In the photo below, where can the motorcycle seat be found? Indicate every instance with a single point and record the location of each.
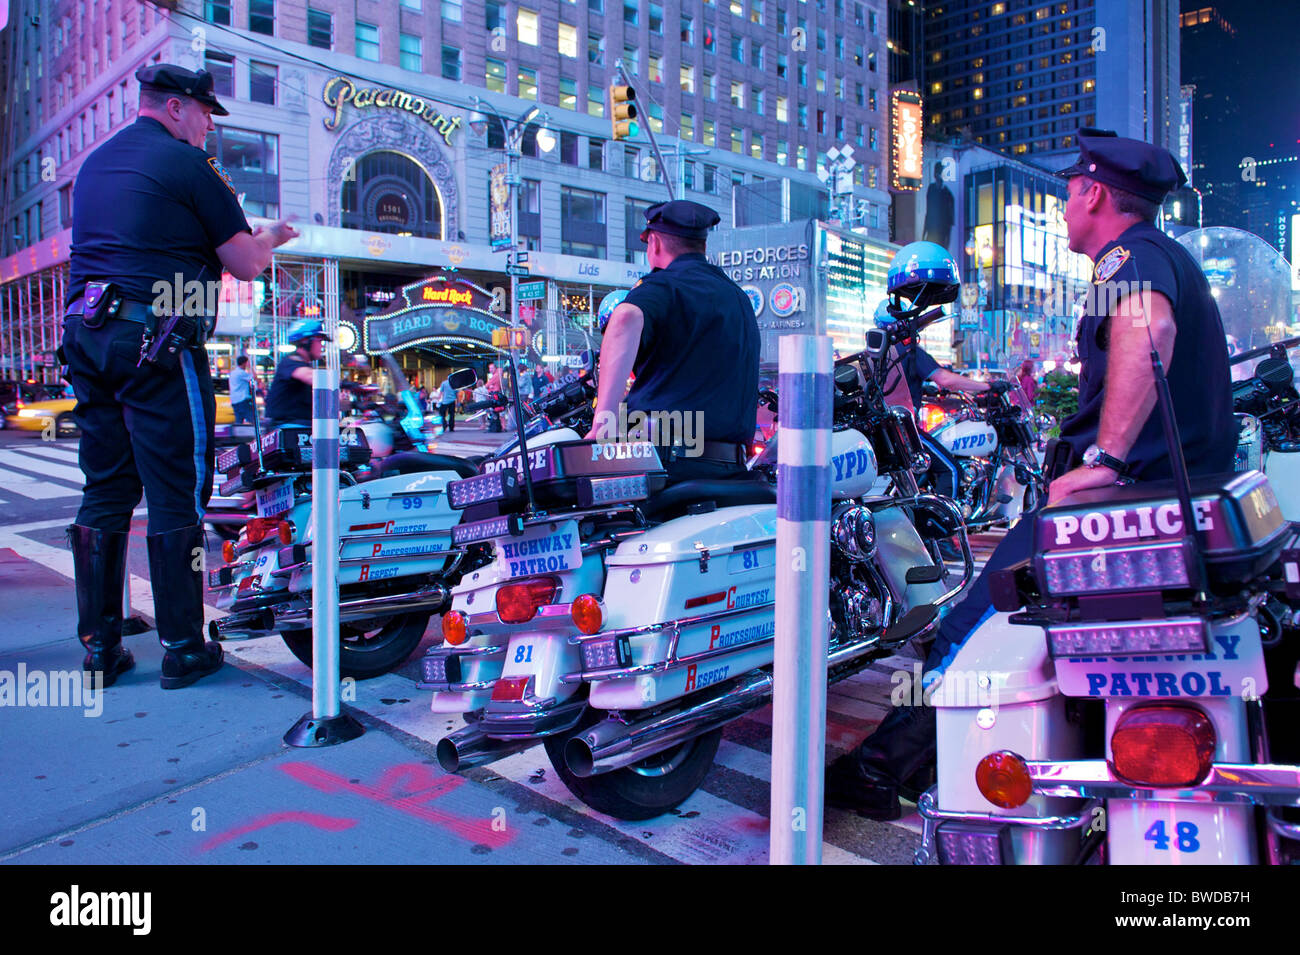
(413, 462)
(674, 501)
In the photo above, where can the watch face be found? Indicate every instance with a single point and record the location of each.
(1090, 456)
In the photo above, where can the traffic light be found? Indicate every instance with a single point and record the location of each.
(622, 112)
(512, 339)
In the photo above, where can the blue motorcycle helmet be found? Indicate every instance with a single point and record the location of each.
(924, 274)
(305, 329)
(884, 317)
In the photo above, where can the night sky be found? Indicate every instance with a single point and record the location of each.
(1269, 84)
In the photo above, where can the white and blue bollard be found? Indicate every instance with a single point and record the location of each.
(327, 723)
(803, 508)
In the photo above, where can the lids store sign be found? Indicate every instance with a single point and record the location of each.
(340, 91)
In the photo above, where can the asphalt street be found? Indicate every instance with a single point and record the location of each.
(202, 775)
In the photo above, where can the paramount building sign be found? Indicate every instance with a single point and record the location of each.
(340, 91)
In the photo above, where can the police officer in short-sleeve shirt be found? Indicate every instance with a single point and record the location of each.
(1142, 281)
(154, 221)
(689, 335)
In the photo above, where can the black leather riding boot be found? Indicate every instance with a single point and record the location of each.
(899, 752)
(99, 563)
(175, 570)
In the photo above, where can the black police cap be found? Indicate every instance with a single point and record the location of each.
(1129, 164)
(680, 217)
(169, 78)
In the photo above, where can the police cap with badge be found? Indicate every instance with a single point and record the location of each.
(169, 78)
(690, 220)
(1150, 172)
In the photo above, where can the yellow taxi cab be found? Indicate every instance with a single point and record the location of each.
(34, 406)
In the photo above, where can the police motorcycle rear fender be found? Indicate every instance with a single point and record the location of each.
(999, 692)
(262, 563)
(551, 654)
(391, 527)
(967, 439)
(716, 569)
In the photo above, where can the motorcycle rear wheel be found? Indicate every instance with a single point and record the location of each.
(644, 790)
(367, 653)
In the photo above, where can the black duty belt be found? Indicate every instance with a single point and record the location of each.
(137, 312)
(722, 452)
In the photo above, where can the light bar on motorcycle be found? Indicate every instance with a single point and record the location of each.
(500, 485)
(1113, 569)
(606, 653)
(962, 843)
(1177, 635)
(593, 492)
(507, 525)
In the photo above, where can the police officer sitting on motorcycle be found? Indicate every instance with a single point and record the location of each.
(689, 334)
(289, 401)
(1145, 288)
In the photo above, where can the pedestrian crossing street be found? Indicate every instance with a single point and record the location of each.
(726, 820)
(43, 471)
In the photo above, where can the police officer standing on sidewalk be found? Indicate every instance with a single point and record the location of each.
(153, 215)
(691, 337)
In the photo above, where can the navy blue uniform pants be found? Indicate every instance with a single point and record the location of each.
(142, 429)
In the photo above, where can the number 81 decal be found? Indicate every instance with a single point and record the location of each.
(1185, 834)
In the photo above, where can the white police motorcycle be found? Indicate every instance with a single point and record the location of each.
(1132, 700)
(623, 625)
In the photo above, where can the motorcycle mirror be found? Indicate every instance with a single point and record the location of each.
(465, 378)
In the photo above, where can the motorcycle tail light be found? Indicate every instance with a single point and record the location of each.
(1149, 567)
(453, 628)
(1173, 635)
(932, 416)
(510, 688)
(1003, 779)
(228, 551)
(519, 602)
(588, 613)
(258, 528)
(1162, 745)
(285, 530)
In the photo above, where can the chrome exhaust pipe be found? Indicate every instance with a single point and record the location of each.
(470, 746)
(427, 598)
(612, 744)
(259, 623)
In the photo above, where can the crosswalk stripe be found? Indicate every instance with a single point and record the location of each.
(53, 452)
(27, 486)
(47, 469)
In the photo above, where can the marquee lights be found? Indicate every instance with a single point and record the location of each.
(906, 163)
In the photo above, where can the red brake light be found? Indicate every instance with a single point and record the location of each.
(285, 531)
(1003, 779)
(510, 688)
(932, 416)
(588, 613)
(453, 627)
(519, 602)
(258, 528)
(1162, 745)
(228, 551)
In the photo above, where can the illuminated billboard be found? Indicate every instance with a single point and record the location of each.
(906, 162)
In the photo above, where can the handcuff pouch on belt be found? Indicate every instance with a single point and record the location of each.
(100, 302)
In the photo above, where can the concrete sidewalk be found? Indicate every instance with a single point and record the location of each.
(139, 775)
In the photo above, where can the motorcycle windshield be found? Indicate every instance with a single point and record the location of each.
(1251, 283)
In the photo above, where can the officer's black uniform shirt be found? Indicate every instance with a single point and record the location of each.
(147, 206)
(1199, 380)
(699, 348)
(289, 399)
(917, 366)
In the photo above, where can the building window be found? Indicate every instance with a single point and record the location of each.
(688, 175)
(634, 225)
(756, 55)
(782, 152)
(595, 49)
(655, 68)
(261, 16)
(656, 23)
(821, 40)
(710, 137)
(568, 41)
(756, 145)
(782, 109)
(738, 49)
(737, 140)
(495, 76)
(595, 100)
(801, 158)
(261, 82)
(222, 68)
(320, 29)
(756, 12)
(582, 222)
(367, 41)
(632, 59)
(526, 26)
(782, 66)
(871, 138)
(709, 43)
(568, 148)
(596, 6)
(595, 154)
(656, 119)
(217, 11)
(412, 4)
(252, 160)
(758, 102)
(737, 179)
(871, 61)
(65, 206)
(688, 31)
(412, 52)
(801, 113)
(738, 95)
(527, 84)
(803, 74)
(821, 120)
(494, 17)
(632, 162)
(530, 211)
(630, 12)
(568, 94)
(710, 179)
(821, 81)
(710, 86)
(451, 10)
(451, 63)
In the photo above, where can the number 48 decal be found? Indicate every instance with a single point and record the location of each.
(1186, 833)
